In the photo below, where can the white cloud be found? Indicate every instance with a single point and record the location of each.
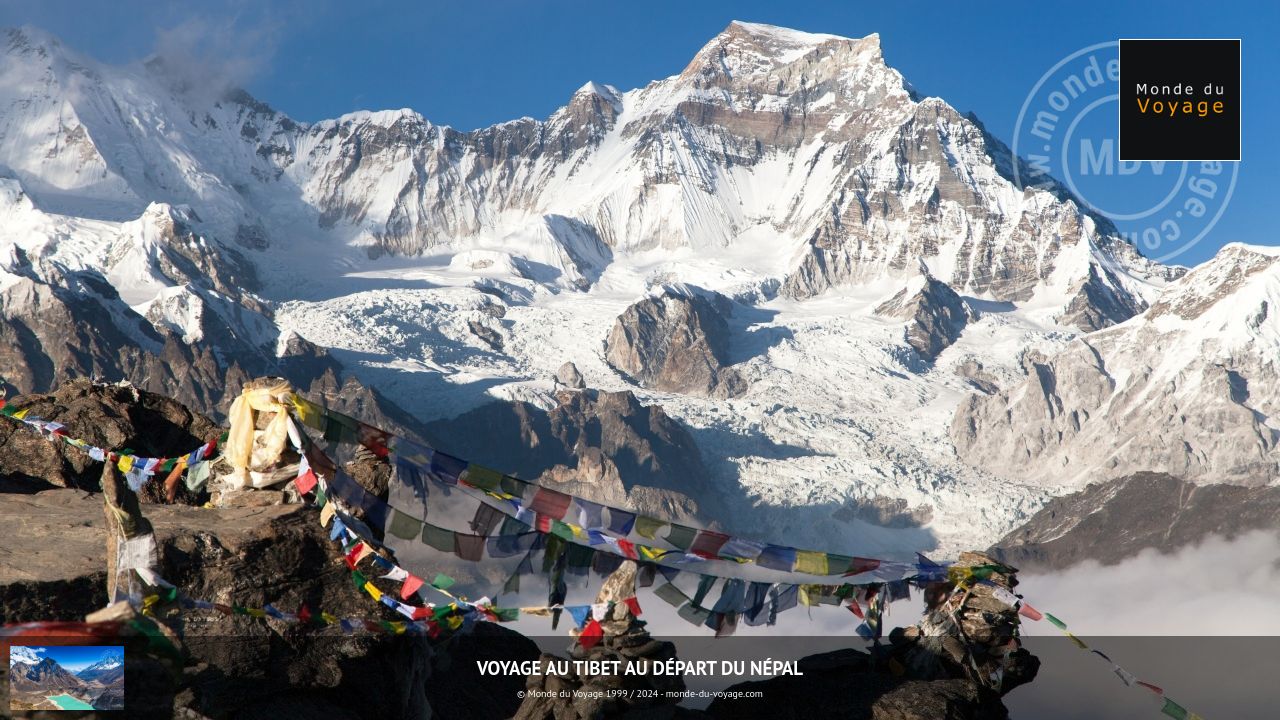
(1220, 587)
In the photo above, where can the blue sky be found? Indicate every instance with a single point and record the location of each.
(470, 64)
(75, 658)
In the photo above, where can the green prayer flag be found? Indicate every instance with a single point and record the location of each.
(483, 477)
(648, 527)
(507, 614)
(1056, 622)
(442, 582)
(441, 611)
(694, 614)
(321, 498)
(512, 526)
(1174, 710)
(359, 579)
(681, 536)
(561, 530)
(167, 465)
(239, 610)
(512, 485)
(437, 537)
(671, 595)
(404, 526)
(512, 585)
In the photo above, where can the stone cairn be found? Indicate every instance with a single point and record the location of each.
(626, 641)
(968, 630)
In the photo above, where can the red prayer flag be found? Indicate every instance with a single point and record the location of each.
(410, 586)
(707, 544)
(633, 603)
(856, 609)
(861, 565)
(591, 634)
(306, 482)
(304, 613)
(1151, 687)
(628, 548)
(420, 613)
(1030, 612)
(549, 502)
(353, 555)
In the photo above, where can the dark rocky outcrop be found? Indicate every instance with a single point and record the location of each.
(1117, 519)
(677, 341)
(625, 641)
(605, 446)
(240, 666)
(935, 314)
(114, 417)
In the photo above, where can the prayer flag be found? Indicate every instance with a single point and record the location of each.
(681, 536)
(707, 544)
(306, 482)
(404, 526)
(776, 557)
(1173, 709)
(410, 586)
(810, 562)
(579, 613)
(590, 635)
(1029, 612)
(550, 502)
(648, 527)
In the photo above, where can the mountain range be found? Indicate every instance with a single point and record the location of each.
(33, 679)
(861, 333)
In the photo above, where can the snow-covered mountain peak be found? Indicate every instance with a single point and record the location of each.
(23, 654)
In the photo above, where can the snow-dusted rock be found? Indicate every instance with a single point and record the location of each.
(1189, 388)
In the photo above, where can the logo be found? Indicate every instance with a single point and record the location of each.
(1068, 133)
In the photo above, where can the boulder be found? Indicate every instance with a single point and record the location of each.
(676, 341)
(569, 377)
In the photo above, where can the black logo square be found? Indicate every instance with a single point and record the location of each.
(1180, 100)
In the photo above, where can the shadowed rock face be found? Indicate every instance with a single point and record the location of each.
(935, 315)
(604, 446)
(1117, 519)
(676, 342)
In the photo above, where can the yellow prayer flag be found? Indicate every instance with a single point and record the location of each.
(328, 619)
(398, 626)
(454, 622)
(21, 413)
(1079, 643)
(308, 412)
(126, 463)
(374, 592)
(813, 563)
(326, 514)
(256, 612)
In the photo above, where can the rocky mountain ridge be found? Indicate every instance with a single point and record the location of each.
(879, 262)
